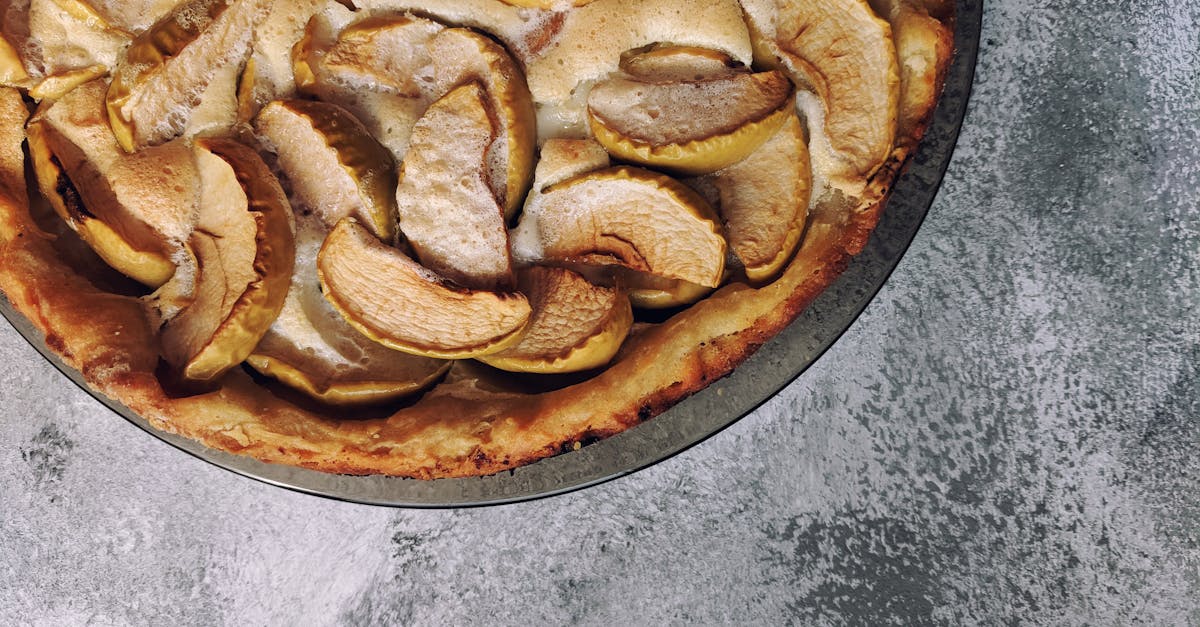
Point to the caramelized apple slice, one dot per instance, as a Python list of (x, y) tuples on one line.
[(383, 51), (447, 211), (575, 325), (628, 217), (166, 68), (335, 167), (764, 201), (664, 63), (460, 56), (589, 45), (55, 86), (134, 210), (651, 292), (921, 40), (12, 68), (689, 127), (562, 159), (413, 310), (243, 250), (311, 348), (844, 53), (83, 11)]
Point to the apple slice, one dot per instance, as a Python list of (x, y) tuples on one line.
[(921, 40), (764, 201), (447, 210), (575, 325), (413, 310), (664, 63), (841, 51), (12, 67), (592, 38), (311, 348), (335, 167), (56, 86), (134, 210), (166, 68), (651, 292), (383, 52), (628, 217), (461, 56), (689, 127), (243, 251), (562, 159), (83, 11)]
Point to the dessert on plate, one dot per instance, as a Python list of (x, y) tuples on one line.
[(440, 238)]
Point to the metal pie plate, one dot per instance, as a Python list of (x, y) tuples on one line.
[(693, 420)]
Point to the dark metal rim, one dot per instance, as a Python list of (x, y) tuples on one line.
[(692, 421)]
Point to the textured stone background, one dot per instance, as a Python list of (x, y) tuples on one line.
[(1009, 434)]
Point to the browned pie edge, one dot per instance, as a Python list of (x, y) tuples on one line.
[(470, 424)]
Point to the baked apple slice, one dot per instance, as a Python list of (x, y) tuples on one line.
[(921, 40), (57, 85), (461, 56), (134, 210), (335, 167), (413, 310), (575, 325), (166, 69), (242, 254), (666, 63), (562, 159), (691, 127), (592, 38), (842, 52), (447, 211), (12, 67), (311, 347), (627, 217), (764, 201)]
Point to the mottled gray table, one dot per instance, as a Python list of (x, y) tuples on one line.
[(1011, 433)]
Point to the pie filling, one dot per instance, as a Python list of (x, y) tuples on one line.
[(441, 238)]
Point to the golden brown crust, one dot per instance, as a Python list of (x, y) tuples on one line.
[(471, 423)]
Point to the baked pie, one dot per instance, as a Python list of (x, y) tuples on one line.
[(446, 237)]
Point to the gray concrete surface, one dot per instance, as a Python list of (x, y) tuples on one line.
[(1010, 434)]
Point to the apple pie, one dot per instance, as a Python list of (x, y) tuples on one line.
[(440, 238)]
